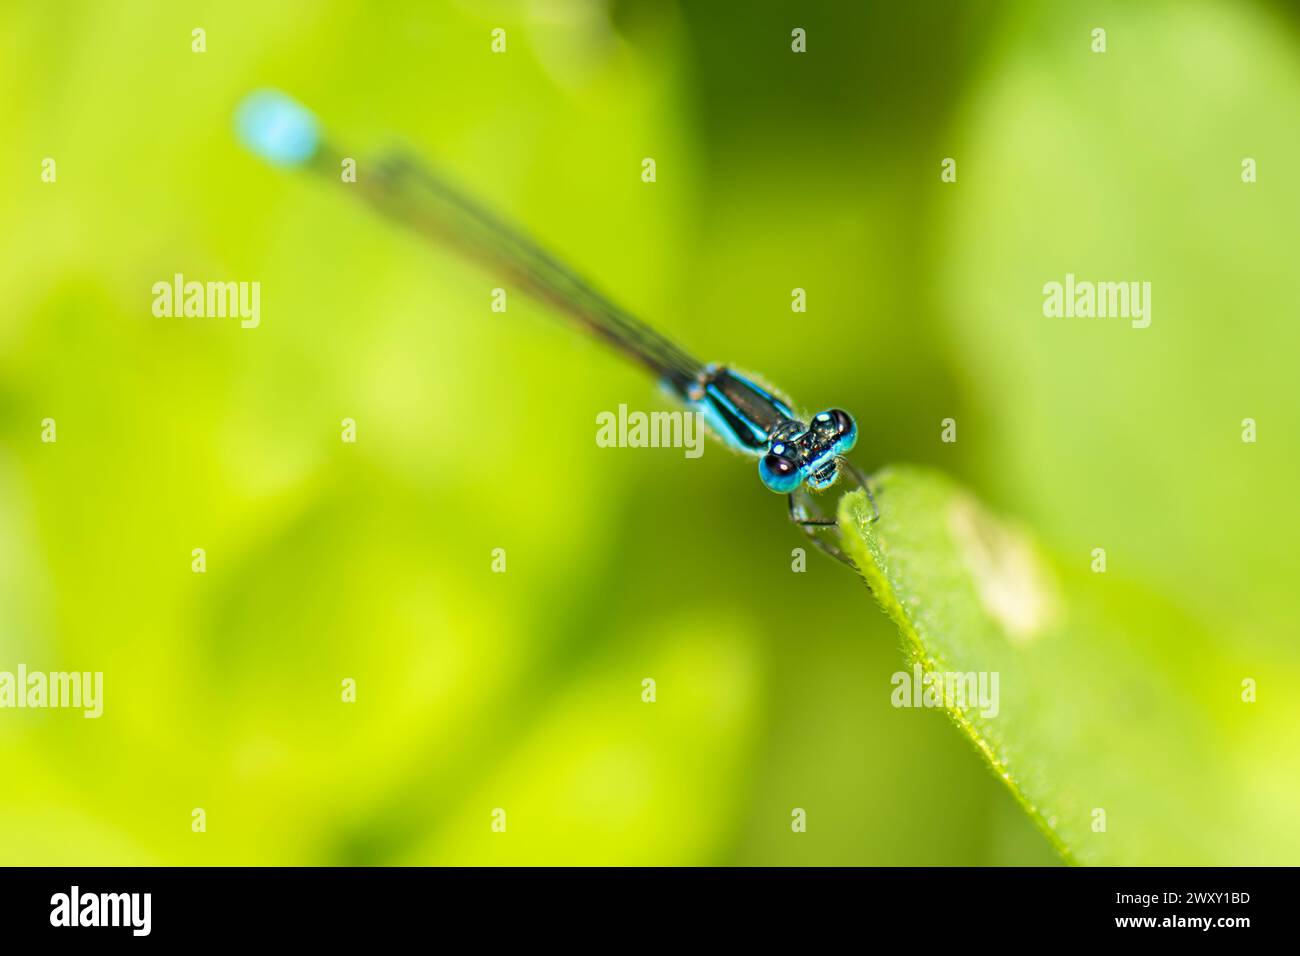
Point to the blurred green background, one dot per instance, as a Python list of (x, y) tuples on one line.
[(476, 430)]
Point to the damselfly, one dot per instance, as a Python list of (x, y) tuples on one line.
[(794, 456)]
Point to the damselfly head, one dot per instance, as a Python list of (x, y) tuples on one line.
[(799, 453)]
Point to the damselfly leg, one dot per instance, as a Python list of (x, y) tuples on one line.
[(805, 513)]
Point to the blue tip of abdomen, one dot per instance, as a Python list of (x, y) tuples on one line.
[(277, 128)]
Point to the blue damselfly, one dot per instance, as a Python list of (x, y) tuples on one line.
[(794, 456)]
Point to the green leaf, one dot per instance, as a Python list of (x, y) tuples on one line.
[(1097, 712)]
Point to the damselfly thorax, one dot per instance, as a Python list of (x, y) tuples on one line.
[(753, 420)]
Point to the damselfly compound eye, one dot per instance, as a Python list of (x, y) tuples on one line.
[(779, 473), (843, 421), (844, 427)]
